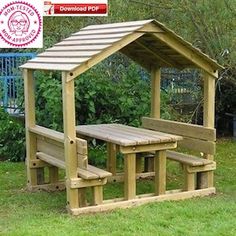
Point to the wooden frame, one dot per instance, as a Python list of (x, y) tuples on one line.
[(50, 149)]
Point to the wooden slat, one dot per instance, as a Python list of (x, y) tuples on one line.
[(187, 52), (103, 36), (179, 128), (105, 53), (94, 133), (116, 204), (144, 133), (187, 159), (207, 168), (56, 60), (49, 66), (101, 173), (198, 145), (115, 25), (108, 30), (87, 42), (139, 60), (48, 133), (68, 53), (147, 148), (124, 135), (50, 149), (86, 174), (51, 160), (83, 183), (159, 58), (78, 48)]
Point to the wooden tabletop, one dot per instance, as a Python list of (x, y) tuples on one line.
[(125, 135)]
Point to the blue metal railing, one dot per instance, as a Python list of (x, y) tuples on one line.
[(10, 79)]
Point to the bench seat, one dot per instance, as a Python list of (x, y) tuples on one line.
[(90, 173), (188, 159)]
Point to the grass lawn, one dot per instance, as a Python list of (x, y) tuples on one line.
[(42, 213)]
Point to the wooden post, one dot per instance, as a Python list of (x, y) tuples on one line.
[(155, 106), (160, 172), (34, 176), (155, 92), (53, 174), (189, 180), (130, 176), (70, 139), (206, 179), (97, 195), (111, 158)]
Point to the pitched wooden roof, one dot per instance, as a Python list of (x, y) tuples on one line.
[(147, 42)]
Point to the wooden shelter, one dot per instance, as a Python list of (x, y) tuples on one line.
[(153, 46)]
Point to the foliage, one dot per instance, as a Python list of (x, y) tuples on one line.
[(49, 100), (107, 93), (12, 138), (111, 93)]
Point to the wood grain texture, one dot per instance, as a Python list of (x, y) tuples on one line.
[(125, 135), (70, 139), (180, 128), (130, 176), (31, 148), (111, 157), (111, 205), (160, 172), (155, 93)]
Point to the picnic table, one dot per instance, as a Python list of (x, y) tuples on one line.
[(130, 141)]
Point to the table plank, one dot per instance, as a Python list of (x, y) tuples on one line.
[(125, 135)]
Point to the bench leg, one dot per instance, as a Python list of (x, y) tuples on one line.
[(40, 176), (97, 195), (130, 176), (148, 164), (82, 197), (53, 174), (189, 180), (139, 167), (205, 179), (160, 172)]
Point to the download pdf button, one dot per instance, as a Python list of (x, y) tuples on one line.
[(80, 9)]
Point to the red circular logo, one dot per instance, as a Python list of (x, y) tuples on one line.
[(20, 24)]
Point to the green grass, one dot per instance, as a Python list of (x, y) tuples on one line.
[(42, 213)]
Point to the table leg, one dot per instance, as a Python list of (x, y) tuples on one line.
[(130, 176), (111, 158), (160, 172)]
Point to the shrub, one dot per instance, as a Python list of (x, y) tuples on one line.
[(12, 138)]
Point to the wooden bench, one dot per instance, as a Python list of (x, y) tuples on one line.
[(50, 152), (195, 137)]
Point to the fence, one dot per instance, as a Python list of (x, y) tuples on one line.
[(10, 79)]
